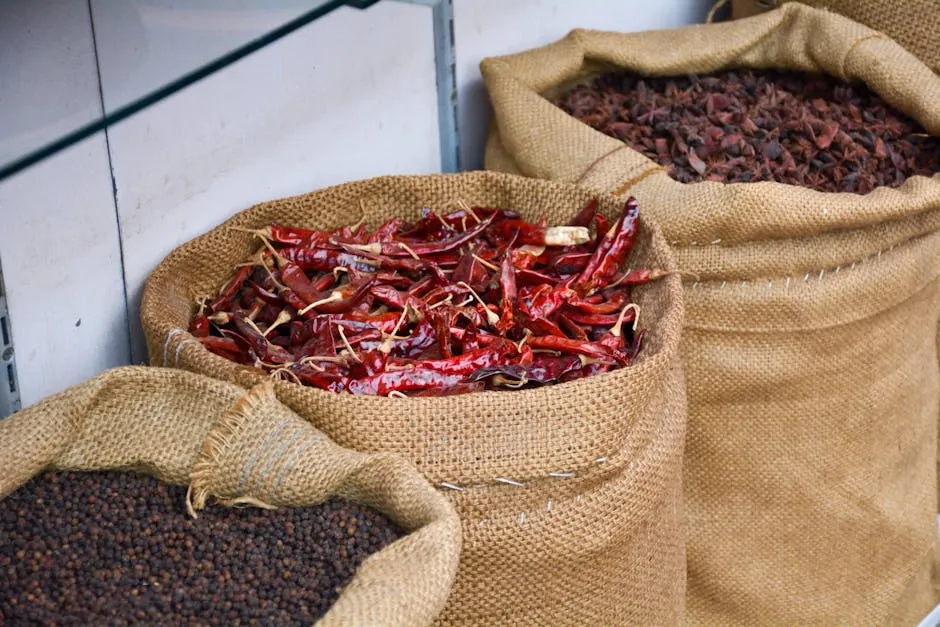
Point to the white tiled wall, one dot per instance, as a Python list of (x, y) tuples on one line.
[(485, 28), (314, 109), (58, 237), (350, 96)]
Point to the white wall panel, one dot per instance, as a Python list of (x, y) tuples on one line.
[(485, 28), (348, 97), (58, 238)]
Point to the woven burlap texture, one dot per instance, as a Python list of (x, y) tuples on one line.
[(570, 495), (915, 24), (187, 429), (809, 340)]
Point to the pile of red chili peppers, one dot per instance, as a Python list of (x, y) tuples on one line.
[(475, 299)]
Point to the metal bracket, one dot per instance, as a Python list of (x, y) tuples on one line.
[(442, 13), (9, 386)]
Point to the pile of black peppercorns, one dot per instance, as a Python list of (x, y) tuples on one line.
[(118, 549)]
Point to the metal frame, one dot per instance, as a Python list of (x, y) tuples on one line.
[(9, 385), (442, 14)]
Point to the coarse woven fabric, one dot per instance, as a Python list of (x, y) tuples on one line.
[(188, 429), (810, 331), (915, 24), (589, 530)]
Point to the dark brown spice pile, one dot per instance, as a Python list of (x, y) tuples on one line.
[(745, 126), (119, 549)]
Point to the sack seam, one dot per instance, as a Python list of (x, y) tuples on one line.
[(769, 330), (820, 273)]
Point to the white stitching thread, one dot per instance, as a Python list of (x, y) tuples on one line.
[(274, 459), (166, 345), (290, 464), (819, 274), (180, 346), (254, 458)]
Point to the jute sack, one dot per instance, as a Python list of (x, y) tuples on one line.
[(569, 495), (810, 332), (915, 24), (187, 429)]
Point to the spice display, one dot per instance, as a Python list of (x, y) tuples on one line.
[(810, 130), (114, 548), (470, 300)]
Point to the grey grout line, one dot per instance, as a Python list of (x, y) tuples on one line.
[(114, 192)]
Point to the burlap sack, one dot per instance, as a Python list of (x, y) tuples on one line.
[(570, 495), (184, 428), (915, 24), (810, 334)]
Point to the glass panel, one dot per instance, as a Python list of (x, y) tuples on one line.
[(143, 51)]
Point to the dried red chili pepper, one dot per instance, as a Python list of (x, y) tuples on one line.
[(325, 259), (567, 345), (199, 326), (402, 381), (586, 215), (425, 308), (224, 300), (526, 233)]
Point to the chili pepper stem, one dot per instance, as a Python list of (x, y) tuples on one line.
[(525, 339), (615, 331), (530, 249), (308, 361), (374, 248), (333, 297), (349, 347), (221, 318), (265, 231), (280, 286), (386, 346), (278, 258), (468, 209), (282, 317), (409, 251), (566, 235), (485, 263), (502, 380), (447, 300), (491, 317), (276, 374), (443, 221)]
